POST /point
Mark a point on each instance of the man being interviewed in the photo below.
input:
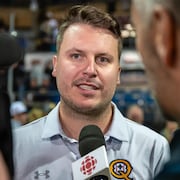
(87, 71)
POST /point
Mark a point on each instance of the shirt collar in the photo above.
(117, 130)
(52, 126)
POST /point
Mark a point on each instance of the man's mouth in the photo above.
(88, 87)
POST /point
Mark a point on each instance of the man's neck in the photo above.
(72, 122)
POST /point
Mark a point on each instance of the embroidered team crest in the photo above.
(120, 169)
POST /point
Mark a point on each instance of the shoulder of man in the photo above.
(29, 130)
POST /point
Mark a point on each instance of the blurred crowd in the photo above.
(36, 89)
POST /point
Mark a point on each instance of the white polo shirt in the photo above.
(43, 151)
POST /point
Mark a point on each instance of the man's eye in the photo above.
(102, 59)
(75, 56)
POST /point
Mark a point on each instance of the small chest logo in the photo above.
(40, 174)
(120, 169)
(88, 165)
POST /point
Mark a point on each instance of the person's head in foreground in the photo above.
(157, 24)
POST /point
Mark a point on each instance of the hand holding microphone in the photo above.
(93, 165)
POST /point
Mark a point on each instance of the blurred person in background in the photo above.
(47, 32)
(19, 114)
(135, 113)
(40, 110)
(87, 72)
(37, 71)
(169, 129)
(157, 24)
(35, 113)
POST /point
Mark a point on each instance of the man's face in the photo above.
(87, 68)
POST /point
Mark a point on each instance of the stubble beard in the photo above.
(86, 111)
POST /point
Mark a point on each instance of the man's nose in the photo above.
(90, 67)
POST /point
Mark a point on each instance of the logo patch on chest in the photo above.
(120, 169)
(38, 174)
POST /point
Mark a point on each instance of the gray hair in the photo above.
(90, 15)
(146, 8)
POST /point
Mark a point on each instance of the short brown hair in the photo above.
(90, 15)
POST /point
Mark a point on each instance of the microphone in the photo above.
(93, 164)
(11, 52)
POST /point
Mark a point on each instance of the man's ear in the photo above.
(164, 34)
(54, 62)
(118, 78)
